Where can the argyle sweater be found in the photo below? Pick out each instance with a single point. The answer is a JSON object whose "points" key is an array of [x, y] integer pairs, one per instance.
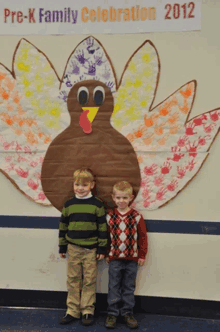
{"points": [[83, 223], [128, 235]]}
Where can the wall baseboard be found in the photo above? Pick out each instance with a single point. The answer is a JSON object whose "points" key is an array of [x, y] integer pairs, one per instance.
{"points": [[144, 304]]}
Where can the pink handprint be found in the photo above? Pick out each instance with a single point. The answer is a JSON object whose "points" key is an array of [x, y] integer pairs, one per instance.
{"points": [[182, 141], [181, 172], [208, 129], [176, 156], [172, 185], [199, 121], [22, 173], [33, 185], [192, 149], [158, 181], [190, 165], [150, 170], [160, 194], [165, 169], [189, 129]]}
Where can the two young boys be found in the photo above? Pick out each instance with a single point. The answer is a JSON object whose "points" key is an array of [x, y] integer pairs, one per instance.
{"points": [[83, 230]]}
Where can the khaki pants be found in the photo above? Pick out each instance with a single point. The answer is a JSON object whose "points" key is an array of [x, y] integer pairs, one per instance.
{"points": [[81, 281]]}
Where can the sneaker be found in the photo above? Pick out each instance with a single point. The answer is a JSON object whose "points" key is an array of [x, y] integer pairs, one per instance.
{"points": [[67, 319], [111, 322], [130, 321], [87, 319]]}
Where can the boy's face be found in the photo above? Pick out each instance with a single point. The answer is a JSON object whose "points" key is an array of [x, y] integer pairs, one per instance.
{"points": [[122, 199], [82, 188]]}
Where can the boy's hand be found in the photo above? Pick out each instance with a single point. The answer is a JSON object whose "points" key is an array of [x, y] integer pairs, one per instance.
{"points": [[141, 261], [107, 260], [100, 257], [63, 255]]}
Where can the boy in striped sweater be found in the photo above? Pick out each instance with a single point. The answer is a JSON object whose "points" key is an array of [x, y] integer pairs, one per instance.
{"points": [[127, 249], [83, 231]]}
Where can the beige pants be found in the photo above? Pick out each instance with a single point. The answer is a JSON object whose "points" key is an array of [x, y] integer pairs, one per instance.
{"points": [[81, 281]]}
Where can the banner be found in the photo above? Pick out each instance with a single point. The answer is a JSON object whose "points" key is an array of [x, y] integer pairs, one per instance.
{"points": [[98, 16]]}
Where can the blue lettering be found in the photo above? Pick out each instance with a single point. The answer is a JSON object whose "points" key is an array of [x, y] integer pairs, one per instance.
{"points": [[41, 14]]}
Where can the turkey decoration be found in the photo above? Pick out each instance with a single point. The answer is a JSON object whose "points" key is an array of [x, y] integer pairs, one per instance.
{"points": [[49, 127]]}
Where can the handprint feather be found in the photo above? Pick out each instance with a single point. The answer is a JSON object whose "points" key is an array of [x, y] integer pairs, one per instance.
{"points": [[29, 122], [170, 148]]}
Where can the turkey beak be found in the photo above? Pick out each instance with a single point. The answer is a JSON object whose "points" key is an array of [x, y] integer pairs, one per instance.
{"points": [[86, 118], [92, 111]]}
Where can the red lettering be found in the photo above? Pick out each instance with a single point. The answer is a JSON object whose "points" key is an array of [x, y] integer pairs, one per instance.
{"points": [[19, 17], [168, 7], [184, 10], [191, 5], [12, 16], [6, 14], [176, 11], [31, 15]]}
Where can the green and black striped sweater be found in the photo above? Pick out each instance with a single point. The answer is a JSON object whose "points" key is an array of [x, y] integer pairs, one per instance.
{"points": [[83, 223]]}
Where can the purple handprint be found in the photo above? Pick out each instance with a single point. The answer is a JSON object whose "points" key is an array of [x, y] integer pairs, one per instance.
{"points": [[75, 68], [110, 84], [63, 95], [81, 58], [91, 48], [106, 75], [91, 69], [98, 60]]}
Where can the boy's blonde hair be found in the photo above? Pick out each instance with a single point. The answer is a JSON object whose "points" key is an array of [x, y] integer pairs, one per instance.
{"points": [[123, 186], [83, 175]]}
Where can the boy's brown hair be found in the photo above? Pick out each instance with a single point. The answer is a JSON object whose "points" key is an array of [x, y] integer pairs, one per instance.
{"points": [[83, 175], [123, 186]]}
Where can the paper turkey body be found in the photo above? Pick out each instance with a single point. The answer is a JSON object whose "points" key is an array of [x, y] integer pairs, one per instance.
{"points": [[90, 141]]}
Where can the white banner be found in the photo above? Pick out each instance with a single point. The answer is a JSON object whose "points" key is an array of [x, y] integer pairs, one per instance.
{"points": [[98, 16]]}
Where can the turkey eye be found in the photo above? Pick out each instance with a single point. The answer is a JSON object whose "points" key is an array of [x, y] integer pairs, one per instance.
{"points": [[99, 95], [83, 95]]}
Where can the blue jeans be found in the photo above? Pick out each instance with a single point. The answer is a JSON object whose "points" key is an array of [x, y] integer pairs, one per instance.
{"points": [[122, 279]]}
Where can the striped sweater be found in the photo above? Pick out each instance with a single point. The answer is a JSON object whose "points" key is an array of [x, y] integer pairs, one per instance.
{"points": [[83, 223]]}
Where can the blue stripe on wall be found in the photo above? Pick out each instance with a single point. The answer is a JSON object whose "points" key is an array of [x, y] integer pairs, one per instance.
{"points": [[143, 304], [153, 226]]}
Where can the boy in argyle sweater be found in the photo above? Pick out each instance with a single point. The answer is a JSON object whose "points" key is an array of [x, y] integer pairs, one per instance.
{"points": [[127, 248], [83, 231]]}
